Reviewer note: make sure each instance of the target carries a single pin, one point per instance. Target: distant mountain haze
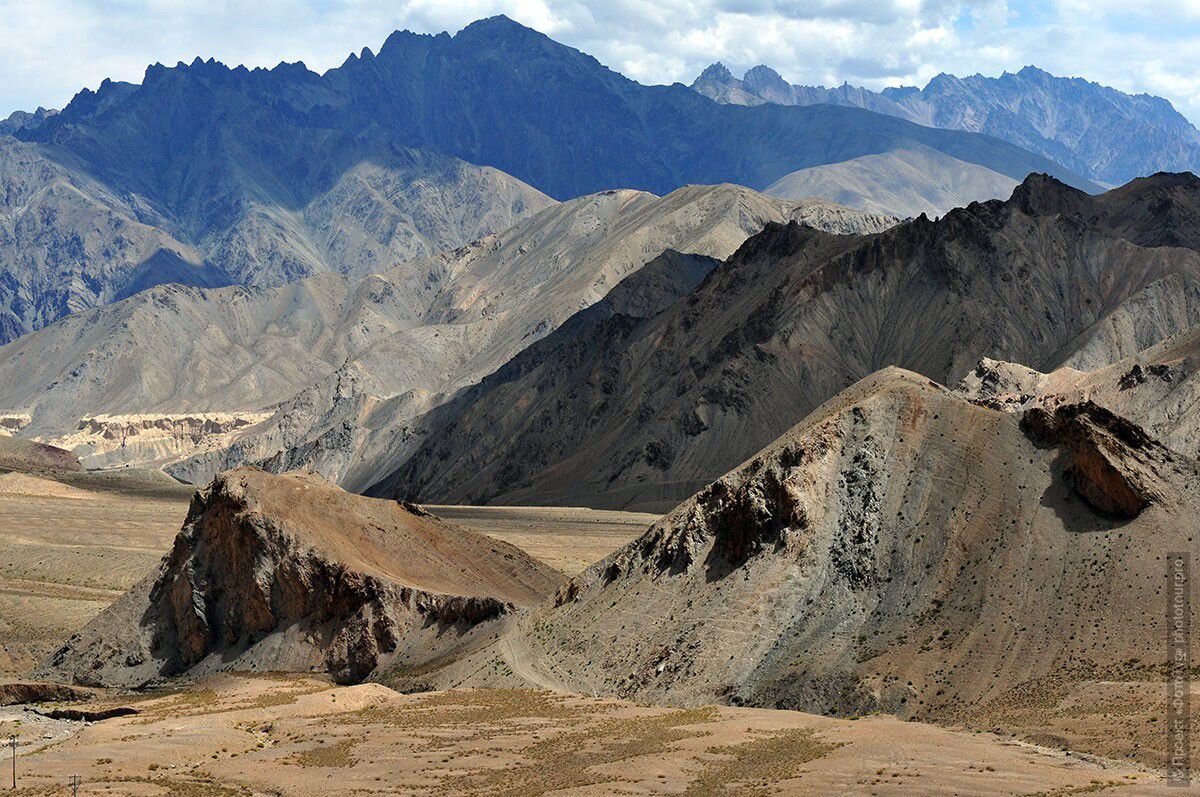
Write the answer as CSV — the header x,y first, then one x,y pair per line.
x,y
1097,131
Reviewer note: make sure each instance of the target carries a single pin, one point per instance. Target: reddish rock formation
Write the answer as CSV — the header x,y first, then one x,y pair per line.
x,y
291,573
1113,461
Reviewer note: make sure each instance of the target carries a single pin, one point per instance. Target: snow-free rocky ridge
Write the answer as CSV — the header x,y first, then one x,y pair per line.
x,y
656,408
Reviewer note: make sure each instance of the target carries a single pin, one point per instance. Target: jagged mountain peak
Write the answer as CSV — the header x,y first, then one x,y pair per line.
x,y
399,40
761,71
1098,131
501,23
943,81
1041,194
716,71
767,82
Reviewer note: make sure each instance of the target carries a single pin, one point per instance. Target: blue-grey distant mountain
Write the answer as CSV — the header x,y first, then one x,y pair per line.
x,y
496,94
271,175
19,120
1095,130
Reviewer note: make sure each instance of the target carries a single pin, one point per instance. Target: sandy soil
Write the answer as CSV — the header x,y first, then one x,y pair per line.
x,y
567,538
301,736
69,545
37,487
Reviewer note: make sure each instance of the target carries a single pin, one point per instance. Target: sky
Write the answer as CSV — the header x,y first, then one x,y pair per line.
x,y
49,50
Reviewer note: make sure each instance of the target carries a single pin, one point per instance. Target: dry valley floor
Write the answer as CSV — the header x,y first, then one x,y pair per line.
x,y
301,736
70,544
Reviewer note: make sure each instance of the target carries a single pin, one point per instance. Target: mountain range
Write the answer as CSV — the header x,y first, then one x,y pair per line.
x,y
207,175
287,268
910,393
642,412
1105,134
334,357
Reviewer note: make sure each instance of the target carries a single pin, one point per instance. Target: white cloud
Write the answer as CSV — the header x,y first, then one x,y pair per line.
x,y
50,50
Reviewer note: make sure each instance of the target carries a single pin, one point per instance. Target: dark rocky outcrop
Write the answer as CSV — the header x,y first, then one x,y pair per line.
x,y
1113,462
289,573
88,715
21,692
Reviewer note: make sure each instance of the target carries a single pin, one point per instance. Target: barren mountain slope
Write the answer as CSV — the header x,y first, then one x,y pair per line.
x,y
900,550
290,573
72,242
178,349
903,182
418,329
68,243
658,409
389,208
500,295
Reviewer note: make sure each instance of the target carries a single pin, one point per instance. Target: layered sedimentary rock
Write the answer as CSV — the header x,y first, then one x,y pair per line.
x,y
149,439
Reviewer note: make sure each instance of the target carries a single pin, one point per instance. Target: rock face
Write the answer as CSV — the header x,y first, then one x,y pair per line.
x,y
68,242
1097,131
899,550
1156,389
19,120
13,423
657,408
290,573
110,440
1112,460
